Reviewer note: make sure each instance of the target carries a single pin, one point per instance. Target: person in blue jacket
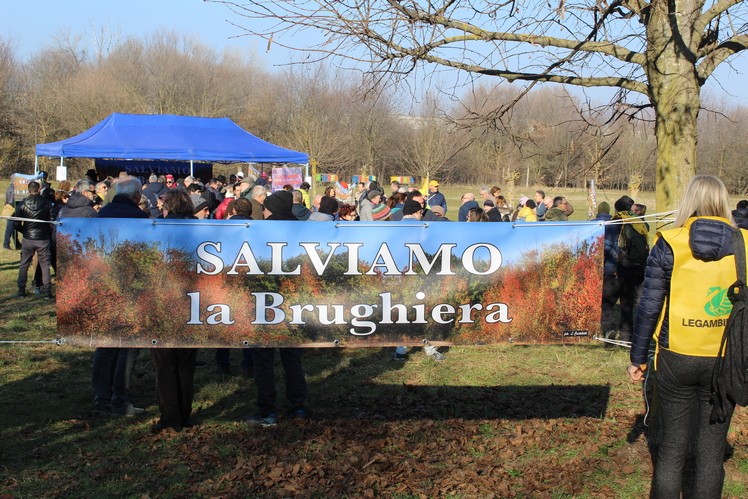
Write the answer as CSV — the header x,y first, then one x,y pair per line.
x,y
684,302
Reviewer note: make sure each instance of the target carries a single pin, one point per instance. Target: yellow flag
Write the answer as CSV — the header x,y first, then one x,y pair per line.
x,y
425,188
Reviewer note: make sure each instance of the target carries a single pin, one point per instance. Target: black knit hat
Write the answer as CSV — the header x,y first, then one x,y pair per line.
x,y
624,204
411,207
328,205
279,202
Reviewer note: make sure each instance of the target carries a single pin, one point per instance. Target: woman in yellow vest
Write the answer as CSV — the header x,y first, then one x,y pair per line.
x,y
685,308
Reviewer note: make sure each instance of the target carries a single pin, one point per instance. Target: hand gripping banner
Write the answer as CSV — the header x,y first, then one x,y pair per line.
x,y
229,283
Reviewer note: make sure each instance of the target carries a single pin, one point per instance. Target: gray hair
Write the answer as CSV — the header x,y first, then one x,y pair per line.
x,y
153,178
83,185
484,189
298,197
100,185
129,186
258,191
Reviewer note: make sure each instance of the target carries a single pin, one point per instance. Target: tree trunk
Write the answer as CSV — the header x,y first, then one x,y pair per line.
x,y
674,93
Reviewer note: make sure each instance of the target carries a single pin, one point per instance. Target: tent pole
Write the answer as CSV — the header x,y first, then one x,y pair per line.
x,y
36,164
192,170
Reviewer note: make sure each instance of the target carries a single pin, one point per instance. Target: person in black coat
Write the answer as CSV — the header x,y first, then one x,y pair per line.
x,y
36,238
278,207
175,367
80,204
112,367
740,215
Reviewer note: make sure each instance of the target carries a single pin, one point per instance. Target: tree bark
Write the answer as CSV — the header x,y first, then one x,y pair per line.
x,y
674,89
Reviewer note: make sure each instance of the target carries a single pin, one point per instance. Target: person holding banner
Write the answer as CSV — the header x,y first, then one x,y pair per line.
x,y
175,367
685,267
112,367
278,207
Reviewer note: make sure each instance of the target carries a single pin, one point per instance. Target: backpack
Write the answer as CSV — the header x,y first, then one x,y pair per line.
x,y
633,248
730,374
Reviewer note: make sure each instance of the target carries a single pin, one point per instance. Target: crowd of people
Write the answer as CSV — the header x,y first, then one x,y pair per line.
x,y
650,287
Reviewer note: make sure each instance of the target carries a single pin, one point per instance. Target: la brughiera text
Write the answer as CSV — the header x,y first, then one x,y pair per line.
x,y
268,311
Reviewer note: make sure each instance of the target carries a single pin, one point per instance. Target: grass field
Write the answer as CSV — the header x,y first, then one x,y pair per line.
x,y
490,421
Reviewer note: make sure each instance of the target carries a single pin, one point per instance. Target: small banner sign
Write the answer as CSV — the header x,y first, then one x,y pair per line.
x,y
223,283
327,178
404,180
286,176
21,185
364,178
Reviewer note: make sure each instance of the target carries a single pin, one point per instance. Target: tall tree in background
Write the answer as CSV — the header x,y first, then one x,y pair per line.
x,y
658,53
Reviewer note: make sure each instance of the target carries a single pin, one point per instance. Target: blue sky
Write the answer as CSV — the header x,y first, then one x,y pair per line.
x,y
32,23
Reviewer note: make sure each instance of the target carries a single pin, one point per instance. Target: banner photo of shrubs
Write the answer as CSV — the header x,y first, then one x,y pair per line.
x,y
224,283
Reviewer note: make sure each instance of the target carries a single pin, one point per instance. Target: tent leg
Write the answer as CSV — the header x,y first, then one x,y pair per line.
x,y
192,169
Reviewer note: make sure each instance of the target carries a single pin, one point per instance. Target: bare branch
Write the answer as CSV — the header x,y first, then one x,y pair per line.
x,y
719,55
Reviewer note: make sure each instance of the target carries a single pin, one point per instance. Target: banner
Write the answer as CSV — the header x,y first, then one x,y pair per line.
x,y
286,176
21,185
190,283
404,180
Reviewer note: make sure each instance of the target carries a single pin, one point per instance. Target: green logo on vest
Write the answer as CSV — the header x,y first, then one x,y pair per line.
x,y
719,304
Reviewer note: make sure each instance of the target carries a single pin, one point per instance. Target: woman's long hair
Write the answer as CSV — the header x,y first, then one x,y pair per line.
x,y
705,196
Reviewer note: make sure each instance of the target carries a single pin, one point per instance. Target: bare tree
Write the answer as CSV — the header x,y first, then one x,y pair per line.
x,y
432,143
658,53
314,116
9,134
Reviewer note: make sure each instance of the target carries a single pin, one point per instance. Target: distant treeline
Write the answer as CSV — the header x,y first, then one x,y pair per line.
x,y
347,122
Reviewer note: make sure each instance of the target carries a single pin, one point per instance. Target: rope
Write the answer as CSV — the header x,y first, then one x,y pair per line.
x,y
58,341
19,219
191,223
620,343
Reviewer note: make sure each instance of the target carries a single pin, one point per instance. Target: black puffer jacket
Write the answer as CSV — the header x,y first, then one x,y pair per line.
x,y
709,240
78,206
38,208
741,218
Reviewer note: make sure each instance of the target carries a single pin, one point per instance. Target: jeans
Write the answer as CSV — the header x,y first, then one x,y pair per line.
x,y
112,369
28,248
39,272
296,391
9,235
683,386
223,354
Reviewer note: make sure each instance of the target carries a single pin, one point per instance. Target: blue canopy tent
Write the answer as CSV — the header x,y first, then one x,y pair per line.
x,y
169,137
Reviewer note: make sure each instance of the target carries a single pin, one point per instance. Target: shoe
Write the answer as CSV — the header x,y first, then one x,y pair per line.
x,y
270,420
22,293
437,356
7,247
222,370
610,335
48,296
400,356
37,291
190,424
248,373
159,428
300,414
101,410
128,410
200,363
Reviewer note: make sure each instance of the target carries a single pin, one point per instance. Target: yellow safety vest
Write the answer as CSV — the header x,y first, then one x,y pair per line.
x,y
698,306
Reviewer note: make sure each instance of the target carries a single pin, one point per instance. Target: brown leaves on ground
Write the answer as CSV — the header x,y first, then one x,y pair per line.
x,y
335,458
